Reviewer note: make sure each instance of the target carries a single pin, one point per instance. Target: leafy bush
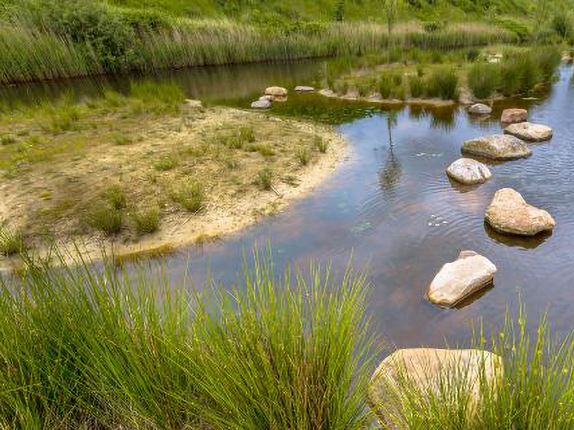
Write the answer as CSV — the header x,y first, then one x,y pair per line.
x,y
484,79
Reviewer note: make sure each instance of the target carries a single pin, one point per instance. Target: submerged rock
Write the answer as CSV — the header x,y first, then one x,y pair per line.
x,y
497,147
480,109
430,370
261,104
509,213
529,131
304,89
510,116
468,171
460,279
276,91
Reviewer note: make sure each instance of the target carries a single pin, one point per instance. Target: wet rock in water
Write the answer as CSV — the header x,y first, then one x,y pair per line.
x,y
480,109
468,171
196,104
460,279
430,370
328,93
269,98
511,116
261,104
529,131
304,89
276,91
509,213
497,147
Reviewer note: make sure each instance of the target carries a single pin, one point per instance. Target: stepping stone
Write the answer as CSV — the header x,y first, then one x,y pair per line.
x,y
468,171
509,213
261,104
304,89
480,109
510,116
529,132
430,370
497,147
276,91
460,279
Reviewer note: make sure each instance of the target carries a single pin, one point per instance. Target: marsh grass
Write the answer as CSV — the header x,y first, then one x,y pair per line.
x,y
303,156
165,163
116,196
190,195
442,83
320,144
105,218
84,348
12,242
484,79
8,139
146,220
264,178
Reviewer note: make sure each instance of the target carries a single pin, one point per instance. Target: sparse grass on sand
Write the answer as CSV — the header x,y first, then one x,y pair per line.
x,y
93,168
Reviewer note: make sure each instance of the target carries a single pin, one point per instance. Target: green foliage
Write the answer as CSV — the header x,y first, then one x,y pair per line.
x,y
265,178
518,27
433,26
105,218
321,144
339,13
122,140
562,25
11,242
442,83
417,86
165,163
303,156
484,79
146,220
8,139
190,195
390,85
116,197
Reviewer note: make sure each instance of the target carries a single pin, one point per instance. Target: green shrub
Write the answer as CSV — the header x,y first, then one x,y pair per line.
x,y
484,79
191,196
146,220
562,25
442,83
11,242
105,218
165,163
265,178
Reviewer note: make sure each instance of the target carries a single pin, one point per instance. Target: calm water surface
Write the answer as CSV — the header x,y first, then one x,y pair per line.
x,y
390,205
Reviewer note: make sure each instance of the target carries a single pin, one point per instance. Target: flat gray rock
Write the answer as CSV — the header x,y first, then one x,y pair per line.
x,y
468,171
460,279
480,109
497,147
304,89
530,132
261,104
509,213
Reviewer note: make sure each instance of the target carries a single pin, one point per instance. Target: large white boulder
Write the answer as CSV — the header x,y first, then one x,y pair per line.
x,y
510,116
529,131
509,213
460,279
276,91
424,371
480,109
497,147
468,171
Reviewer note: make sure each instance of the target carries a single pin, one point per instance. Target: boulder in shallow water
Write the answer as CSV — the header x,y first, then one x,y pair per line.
x,y
510,116
468,171
529,131
276,91
304,89
430,370
261,104
509,213
480,109
497,147
460,279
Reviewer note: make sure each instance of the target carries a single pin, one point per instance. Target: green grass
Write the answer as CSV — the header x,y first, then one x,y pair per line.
x,y
86,349
116,197
442,83
265,179
484,79
165,163
11,242
105,218
8,139
303,156
190,195
146,220
321,144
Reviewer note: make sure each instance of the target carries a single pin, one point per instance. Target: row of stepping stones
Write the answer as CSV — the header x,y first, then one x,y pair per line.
x,y
508,213
277,94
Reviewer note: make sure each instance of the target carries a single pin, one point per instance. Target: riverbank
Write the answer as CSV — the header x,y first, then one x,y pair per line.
x,y
125,176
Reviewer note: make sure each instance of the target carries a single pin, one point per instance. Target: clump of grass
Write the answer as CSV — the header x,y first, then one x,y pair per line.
x,y
247,134
11,242
116,197
190,195
8,139
265,178
416,86
390,86
146,220
262,149
484,79
105,218
303,156
442,83
321,144
122,140
165,163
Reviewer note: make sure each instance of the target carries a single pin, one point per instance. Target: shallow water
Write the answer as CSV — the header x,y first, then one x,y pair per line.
x,y
390,205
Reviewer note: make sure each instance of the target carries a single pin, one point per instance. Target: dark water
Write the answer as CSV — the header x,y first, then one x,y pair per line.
x,y
390,205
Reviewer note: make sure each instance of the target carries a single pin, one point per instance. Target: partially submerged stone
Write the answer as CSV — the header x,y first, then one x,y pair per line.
x,y
266,97
304,89
428,370
261,104
510,116
509,213
529,131
328,93
460,279
276,91
468,171
480,109
497,147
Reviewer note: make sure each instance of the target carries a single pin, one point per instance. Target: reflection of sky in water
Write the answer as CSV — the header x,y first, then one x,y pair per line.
x,y
392,207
